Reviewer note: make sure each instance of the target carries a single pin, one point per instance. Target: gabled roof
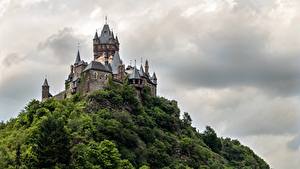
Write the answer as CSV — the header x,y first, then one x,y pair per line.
x,y
135,74
116,62
94,65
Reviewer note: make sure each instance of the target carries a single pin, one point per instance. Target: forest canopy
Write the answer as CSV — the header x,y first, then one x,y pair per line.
x,y
115,129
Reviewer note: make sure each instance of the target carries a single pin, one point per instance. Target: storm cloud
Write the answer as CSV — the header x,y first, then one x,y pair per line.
x,y
232,64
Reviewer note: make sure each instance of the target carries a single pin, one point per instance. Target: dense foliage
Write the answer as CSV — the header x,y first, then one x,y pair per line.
x,y
114,129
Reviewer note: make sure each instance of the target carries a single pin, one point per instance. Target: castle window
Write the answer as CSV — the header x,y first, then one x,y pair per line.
x,y
95,75
136,81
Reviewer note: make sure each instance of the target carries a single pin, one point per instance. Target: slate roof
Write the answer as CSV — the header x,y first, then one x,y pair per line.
x,y
106,34
142,73
77,60
94,65
135,74
116,62
96,36
154,78
45,82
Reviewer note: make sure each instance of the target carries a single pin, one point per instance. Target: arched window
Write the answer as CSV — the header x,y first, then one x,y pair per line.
x,y
95,75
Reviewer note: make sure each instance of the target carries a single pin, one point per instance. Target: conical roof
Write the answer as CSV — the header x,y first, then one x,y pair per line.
x,y
78,59
154,76
116,62
142,73
45,82
106,34
96,35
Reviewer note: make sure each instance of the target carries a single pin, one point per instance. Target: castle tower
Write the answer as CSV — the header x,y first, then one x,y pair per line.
x,y
105,45
154,78
45,90
147,68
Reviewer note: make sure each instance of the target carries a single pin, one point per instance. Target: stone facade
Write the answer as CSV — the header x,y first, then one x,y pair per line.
x,y
87,77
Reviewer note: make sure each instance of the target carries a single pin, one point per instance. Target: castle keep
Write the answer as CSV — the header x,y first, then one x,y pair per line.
x,y
86,77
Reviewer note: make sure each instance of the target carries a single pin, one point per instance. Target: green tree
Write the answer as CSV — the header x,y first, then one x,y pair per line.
x,y
18,155
108,155
51,144
144,167
211,139
125,164
187,120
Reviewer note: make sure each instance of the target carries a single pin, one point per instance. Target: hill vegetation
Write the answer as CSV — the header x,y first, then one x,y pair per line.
x,y
114,129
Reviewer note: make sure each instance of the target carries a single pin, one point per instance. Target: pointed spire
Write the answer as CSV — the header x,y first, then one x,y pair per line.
x,y
45,90
106,20
116,62
142,73
96,35
147,67
78,59
45,84
154,76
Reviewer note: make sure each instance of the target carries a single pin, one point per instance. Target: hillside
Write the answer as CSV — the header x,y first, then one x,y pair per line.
x,y
112,129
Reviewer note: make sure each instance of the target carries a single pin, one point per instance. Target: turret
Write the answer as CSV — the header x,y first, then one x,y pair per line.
x,y
147,67
154,78
45,90
96,37
134,77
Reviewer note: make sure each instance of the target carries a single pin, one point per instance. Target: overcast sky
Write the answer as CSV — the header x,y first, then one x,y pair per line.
x,y
232,64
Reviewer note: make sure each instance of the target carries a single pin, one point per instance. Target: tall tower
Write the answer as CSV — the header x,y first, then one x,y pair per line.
x,y
45,90
147,68
105,45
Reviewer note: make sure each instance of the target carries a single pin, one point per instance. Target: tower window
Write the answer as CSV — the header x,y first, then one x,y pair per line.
x,y
95,75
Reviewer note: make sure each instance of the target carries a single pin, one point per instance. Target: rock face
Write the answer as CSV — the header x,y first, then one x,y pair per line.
x,y
113,128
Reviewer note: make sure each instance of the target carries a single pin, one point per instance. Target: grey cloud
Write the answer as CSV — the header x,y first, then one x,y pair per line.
x,y
242,111
226,51
235,68
294,144
12,58
63,45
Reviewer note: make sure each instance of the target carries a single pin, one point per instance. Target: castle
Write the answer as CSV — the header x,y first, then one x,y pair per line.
x,y
86,77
